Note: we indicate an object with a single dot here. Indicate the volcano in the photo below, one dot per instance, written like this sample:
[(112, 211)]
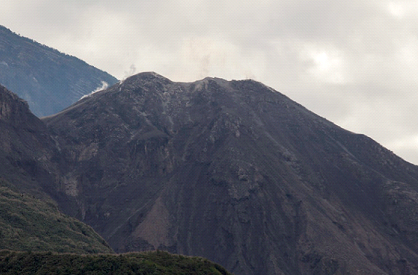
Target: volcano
[(236, 172)]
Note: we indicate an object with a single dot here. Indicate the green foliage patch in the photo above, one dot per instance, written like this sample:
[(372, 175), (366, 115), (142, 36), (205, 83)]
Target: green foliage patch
[(156, 262)]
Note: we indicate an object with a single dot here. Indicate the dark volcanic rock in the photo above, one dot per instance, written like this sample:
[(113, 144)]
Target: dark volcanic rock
[(238, 173), (47, 79), (26, 149)]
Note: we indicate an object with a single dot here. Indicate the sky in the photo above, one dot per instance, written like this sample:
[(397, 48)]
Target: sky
[(353, 62)]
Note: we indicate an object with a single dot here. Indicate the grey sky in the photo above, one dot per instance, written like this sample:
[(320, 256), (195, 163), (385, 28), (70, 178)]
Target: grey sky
[(352, 62)]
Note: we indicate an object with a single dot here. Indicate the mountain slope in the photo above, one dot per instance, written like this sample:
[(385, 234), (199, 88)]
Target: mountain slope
[(30, 224), (47, 79), (29, 219), (238, 173), (26, 149)]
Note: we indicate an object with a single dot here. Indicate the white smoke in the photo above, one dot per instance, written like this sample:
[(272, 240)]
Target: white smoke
[(98, 89), (131, 72)]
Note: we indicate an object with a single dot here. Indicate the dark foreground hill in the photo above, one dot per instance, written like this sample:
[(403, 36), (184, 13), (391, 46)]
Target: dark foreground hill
[(158, 263), (47, 79), (237, 173)]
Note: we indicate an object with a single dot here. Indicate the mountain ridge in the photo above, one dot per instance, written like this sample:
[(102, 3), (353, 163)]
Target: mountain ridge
[(46, 78), (27, 148)]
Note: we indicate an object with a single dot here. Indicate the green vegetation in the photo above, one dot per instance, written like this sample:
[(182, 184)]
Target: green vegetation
[(30, 224), (157, 262)]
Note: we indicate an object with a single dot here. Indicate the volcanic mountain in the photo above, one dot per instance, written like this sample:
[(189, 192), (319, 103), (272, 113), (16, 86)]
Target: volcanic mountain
[(238, 173), (46, 78)]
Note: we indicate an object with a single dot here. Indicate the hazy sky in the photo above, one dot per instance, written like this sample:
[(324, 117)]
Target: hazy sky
[(352, 62)]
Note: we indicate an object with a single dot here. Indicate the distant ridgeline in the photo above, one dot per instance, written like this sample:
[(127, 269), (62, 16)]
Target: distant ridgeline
[(47, 79)]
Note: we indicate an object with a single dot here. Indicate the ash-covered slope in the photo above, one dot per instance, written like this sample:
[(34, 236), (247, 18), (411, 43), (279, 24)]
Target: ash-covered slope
[(238, 173), (47, 79)]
